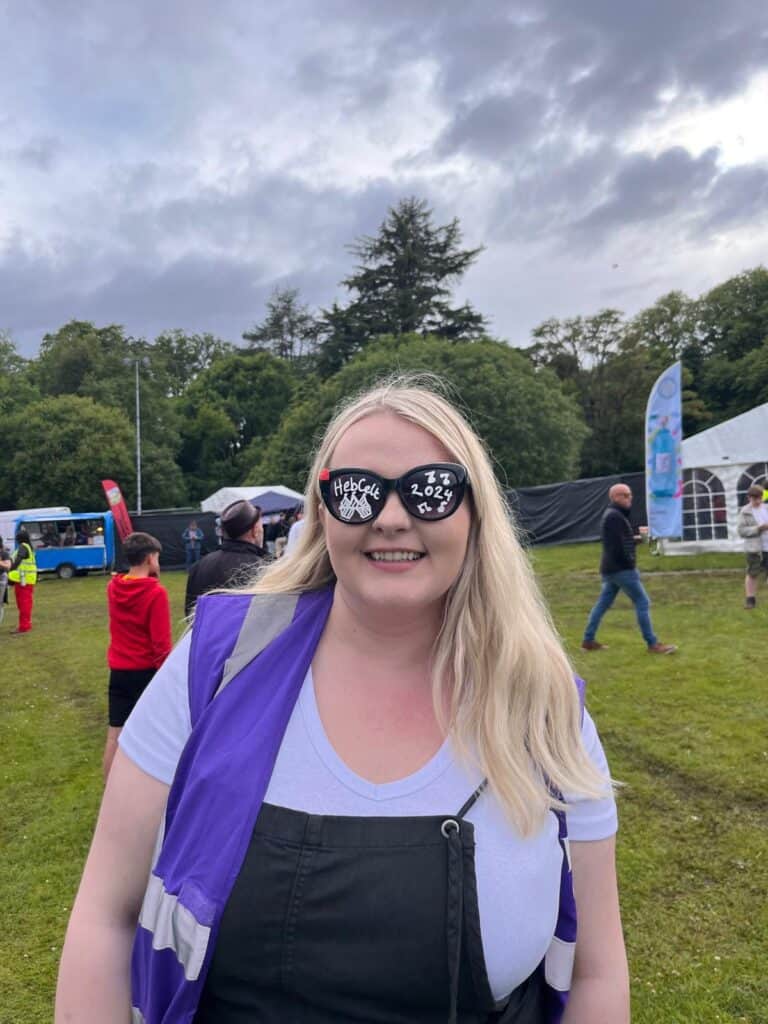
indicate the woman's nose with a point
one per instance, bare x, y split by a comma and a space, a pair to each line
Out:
394, 515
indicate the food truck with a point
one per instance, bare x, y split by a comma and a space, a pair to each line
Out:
10, 516
73, 544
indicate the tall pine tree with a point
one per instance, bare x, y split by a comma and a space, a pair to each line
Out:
402, 285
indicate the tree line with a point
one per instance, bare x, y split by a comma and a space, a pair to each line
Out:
569, 403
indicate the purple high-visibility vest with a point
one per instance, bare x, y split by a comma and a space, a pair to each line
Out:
252, 654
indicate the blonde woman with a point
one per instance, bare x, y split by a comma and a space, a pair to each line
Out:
356, 772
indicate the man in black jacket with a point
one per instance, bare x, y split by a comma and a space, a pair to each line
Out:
241, 553
618, 567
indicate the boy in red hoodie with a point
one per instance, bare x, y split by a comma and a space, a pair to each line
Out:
139, 631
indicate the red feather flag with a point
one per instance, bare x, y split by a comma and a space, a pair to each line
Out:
118, 508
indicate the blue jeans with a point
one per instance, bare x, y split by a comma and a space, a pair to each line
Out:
627, 580
193, 554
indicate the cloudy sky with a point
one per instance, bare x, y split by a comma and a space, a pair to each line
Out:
167, 164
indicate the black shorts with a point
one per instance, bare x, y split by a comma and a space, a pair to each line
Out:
126, 685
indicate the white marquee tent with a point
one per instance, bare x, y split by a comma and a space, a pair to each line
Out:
219, 500
719, 464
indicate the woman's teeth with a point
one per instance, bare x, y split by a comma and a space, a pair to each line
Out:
395, 556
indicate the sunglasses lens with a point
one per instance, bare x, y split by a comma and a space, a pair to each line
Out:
354, 497
433, 493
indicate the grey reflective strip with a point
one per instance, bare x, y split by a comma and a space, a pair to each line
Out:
137, 1017
268, 615
558, 964
174, 927
567, 848
159, 841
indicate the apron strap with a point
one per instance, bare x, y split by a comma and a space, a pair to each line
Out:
454, 918
473, 799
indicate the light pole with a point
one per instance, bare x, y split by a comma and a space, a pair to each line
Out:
138, 441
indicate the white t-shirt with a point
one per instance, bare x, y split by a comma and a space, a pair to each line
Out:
518, 879
293, 535
761, 516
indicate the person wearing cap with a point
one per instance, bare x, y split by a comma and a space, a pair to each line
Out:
752, 525
241, 553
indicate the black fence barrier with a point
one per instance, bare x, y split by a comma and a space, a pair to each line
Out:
168, 528
570, 512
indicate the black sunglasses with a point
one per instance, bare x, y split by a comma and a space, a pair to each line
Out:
429, 492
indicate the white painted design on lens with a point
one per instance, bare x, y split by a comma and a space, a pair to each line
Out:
355, 505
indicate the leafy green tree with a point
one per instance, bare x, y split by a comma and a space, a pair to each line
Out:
403, 284
177, 358
344, 334
733, 328
668, 328
609, 365
586, 354
236, 403
533, 430
668, 331
16, 386
733, 317
209, 449
86, 361
58, 450
289, 331
61, 448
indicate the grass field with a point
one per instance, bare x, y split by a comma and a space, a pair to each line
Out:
688, 735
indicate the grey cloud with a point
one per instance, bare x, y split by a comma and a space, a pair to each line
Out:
739, 197
584, 199
153, 88
195, 292
496, 124
207, 286
601, 66
649, 188
40, 154
551, 189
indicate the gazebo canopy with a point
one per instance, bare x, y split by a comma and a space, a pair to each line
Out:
271, 498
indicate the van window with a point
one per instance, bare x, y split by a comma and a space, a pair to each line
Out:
43, 535
64, 533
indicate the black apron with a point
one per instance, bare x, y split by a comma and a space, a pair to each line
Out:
354, 920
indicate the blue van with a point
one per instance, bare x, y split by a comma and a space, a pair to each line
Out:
72, 545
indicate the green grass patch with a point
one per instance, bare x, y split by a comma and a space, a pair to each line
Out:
687, 734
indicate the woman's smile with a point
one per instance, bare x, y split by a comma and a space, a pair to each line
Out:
393, 559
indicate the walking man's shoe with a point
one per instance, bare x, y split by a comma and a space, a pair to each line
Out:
750, 602
662, 648
593, 645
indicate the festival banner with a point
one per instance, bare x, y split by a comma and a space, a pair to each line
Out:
118, 508
664, 455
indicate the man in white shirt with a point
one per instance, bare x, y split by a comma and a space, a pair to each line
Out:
753, 527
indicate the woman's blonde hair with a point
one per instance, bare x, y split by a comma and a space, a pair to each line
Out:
511, 698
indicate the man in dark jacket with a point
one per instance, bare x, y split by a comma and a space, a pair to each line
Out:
241, 553
618, 567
